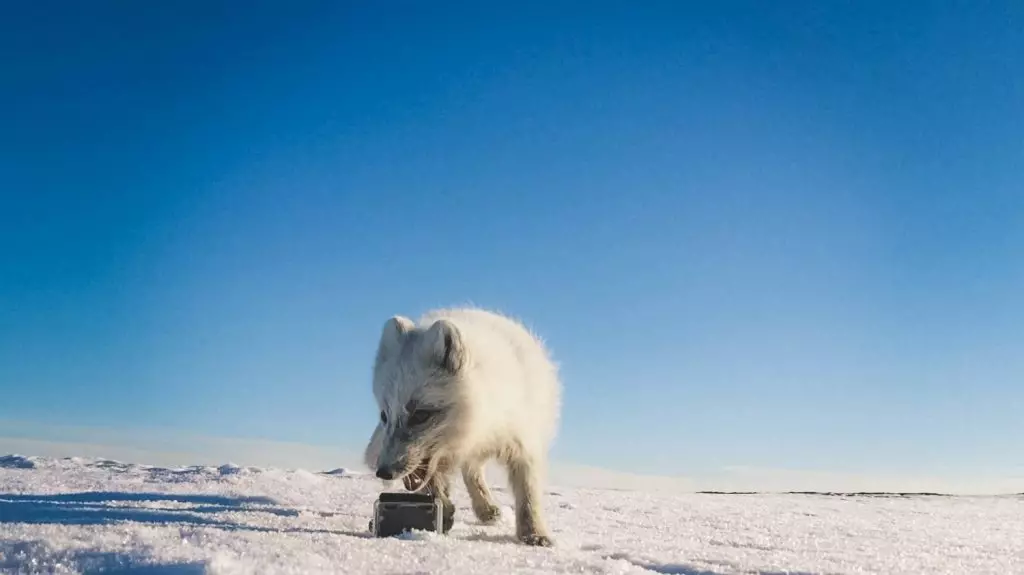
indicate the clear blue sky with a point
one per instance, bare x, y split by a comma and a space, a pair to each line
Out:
776, 234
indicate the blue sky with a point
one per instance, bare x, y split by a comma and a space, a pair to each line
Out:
785, 235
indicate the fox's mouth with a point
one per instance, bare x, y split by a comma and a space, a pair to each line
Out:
413, 481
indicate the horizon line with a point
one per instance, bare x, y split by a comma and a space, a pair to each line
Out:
162, 446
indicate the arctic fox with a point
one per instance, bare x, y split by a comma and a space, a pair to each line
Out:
461, 387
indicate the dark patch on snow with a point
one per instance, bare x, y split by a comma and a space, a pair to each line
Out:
674, 569
754, 546
339, 472
108, 463
832, 493
16, 462
685, 569
664, 568
105, 496
111, 465
101, 508
229, 469
868, 494
35, 556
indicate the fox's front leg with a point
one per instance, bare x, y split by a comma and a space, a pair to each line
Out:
440, 487
486, 510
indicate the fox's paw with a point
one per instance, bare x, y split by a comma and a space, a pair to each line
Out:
537, 540
488, 515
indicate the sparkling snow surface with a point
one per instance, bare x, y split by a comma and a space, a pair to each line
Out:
89, 516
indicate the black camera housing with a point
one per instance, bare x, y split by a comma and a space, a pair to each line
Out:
397, 513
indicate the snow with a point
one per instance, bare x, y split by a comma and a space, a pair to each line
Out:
79, 515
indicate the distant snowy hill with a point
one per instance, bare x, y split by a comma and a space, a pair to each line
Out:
98, 516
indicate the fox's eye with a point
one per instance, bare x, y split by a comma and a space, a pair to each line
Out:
383, 417
420, 416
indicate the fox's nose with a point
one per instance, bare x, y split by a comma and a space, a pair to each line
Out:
386, 472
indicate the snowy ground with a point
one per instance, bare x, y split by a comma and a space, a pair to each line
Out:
89, 516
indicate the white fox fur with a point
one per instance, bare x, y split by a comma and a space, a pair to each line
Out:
482, 386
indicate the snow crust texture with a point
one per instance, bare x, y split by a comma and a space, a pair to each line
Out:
98, 516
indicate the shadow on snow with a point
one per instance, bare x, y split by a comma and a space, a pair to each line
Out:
101, 508
36, 557
105, 508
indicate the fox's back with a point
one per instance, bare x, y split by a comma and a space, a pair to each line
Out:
512, 381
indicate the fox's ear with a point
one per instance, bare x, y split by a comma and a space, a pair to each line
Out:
391, 335
442, 346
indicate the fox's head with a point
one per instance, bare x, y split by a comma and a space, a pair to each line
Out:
415, 384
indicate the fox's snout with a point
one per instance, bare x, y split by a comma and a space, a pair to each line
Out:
390, 469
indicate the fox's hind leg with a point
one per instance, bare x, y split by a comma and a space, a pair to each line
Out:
523, 477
